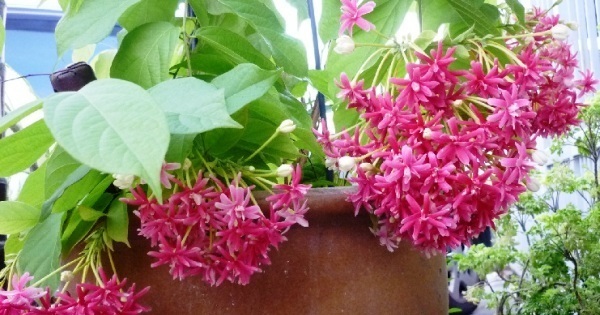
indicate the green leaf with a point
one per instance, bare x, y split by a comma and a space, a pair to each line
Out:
218, 142
18, 114
58, 167
425, 38
245, 83
89, 214
438, 13
322, 81
484, 16
102, 62
192, 106
32, 192
117, 222
20, 150
518, 9
73, 178
287, 51
234, 46
92, 22
147, 11
84, 53
329, 24
180, 147
113, 126
145, 54
41, 252
17, 216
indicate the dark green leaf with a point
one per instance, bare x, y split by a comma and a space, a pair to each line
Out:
145, 54
89, 214
484, 16
180, 147
117, 222
74, 177
41, 252
245, 83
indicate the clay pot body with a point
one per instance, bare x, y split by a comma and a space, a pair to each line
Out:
335, 266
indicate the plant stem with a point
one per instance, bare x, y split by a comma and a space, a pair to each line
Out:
264, 145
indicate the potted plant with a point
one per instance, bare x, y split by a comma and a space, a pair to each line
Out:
193, 115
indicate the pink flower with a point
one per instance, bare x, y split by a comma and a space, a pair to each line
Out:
165, 177
586, 84
418, 88
234, 206
484, 84
510, 110
353, 15
21, 294
294, 191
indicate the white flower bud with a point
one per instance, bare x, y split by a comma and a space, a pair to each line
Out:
251, 168
66, 276
540, 157
123, 181
367, 167
427, 133
330, 163
560, 31
187, 164
457, 103
533, 184
346, 163
572, 25
344, 45
285, 170
286, 126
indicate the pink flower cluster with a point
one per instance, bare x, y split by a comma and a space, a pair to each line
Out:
215, 230
111, 297
450, 151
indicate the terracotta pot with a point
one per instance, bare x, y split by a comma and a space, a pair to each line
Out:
335, 266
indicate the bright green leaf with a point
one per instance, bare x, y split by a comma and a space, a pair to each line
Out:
147, 11
180, 147
89, 214
145, 54
425, 38
102, 62
484, 16
18, 114
41, 252
2, 33
117, 222
93, 21
32, 192
17, 216
83, 54
287, 51
73, 178
113, 126
245, 83
20, 150
192, 106
329, 24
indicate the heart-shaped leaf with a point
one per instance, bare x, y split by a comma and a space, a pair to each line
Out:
111, 125
192, 106
145, 54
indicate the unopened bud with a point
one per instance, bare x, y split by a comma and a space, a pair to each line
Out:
66, 276
366, 167
187, 164
457, 103
560, 31
330, 163
572, 25
344, 45
540, 157
286, 126
346, 163
285, 170
123, 181
533, 184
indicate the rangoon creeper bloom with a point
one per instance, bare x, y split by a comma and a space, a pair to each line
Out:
346, 163
123, 181
560, 31
285, 170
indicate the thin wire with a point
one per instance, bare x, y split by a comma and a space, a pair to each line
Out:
27, 76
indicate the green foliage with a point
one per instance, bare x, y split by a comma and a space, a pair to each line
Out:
559, 273
19, 151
